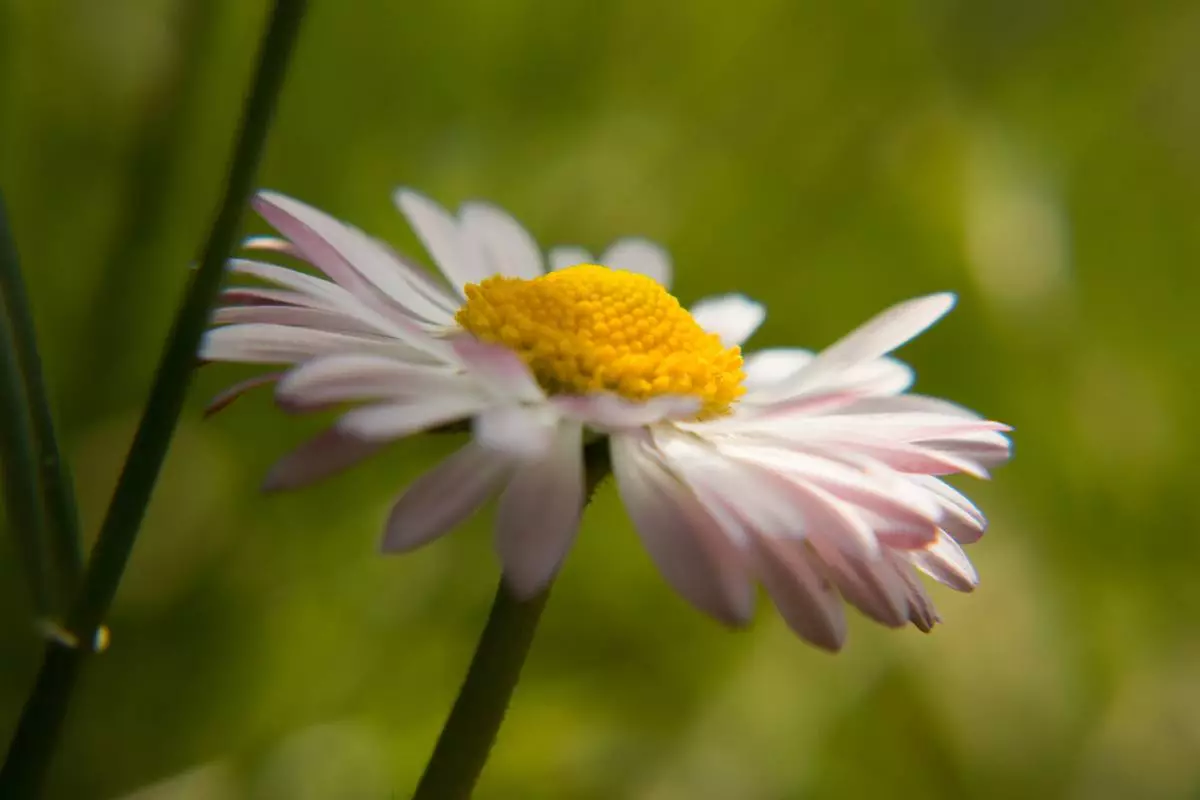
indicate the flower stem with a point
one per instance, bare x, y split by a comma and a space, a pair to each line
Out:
45, 709
470, 731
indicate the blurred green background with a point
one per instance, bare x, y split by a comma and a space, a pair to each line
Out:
1042, 159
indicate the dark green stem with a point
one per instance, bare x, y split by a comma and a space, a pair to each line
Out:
470, 731
41, 719
18, 442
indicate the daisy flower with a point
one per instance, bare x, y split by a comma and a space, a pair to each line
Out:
815, 475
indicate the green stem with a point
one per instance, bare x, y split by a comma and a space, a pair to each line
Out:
18, 442
470, 731
45, 710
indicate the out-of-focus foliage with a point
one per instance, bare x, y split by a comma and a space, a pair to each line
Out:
1042, 159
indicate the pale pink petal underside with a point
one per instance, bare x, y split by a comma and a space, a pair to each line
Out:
539, 512
444, 497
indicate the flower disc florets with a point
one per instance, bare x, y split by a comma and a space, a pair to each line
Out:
589, 329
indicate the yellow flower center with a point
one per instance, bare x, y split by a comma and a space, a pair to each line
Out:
589, 329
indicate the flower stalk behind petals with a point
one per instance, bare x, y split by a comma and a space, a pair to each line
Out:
470, 731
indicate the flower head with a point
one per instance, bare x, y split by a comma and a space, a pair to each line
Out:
816, 475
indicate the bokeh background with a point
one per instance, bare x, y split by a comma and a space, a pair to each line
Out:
1042, 159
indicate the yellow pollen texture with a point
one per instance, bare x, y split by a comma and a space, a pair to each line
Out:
589, 329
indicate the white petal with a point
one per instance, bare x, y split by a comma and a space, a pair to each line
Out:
873, 587
539, 513
961, 518
345, 378
639, 255
563, 257
257, 343
507, 247
765, 368
688, 546
610, 412
910, 404
879, 336
921, 611
444, 497
523, 432
456, 255
806, 599
318, 458
334, 297
946, 563
350, 257
988, 448
317, 318
397, 419
733, 317
498, 368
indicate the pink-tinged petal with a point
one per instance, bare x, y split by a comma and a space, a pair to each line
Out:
226, 397
873, 587
507, 247
825, 516
684, 541
539, 512
946, 563
258, 343
335, 298
329, 294
523, 432
733, 317
340, 378
255, 296
316, 318
917, 460
563, 257
498, 368
639, 255
805, 597
758, 409
961, 519
328, 453
988, 448
457, 256
444, 497
910, 404
904, 536
398, 419
878, 337
353, 259
739, 496
610, 412
921, 611
767, 368
828, 519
